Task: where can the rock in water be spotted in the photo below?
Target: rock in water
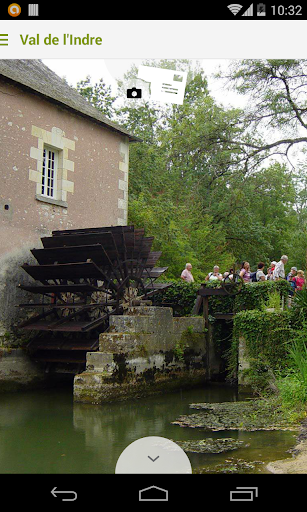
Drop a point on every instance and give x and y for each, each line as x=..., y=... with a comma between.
x=210, y=445
x=260, y=414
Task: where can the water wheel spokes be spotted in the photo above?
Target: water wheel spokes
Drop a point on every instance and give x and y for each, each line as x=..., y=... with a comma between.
x=85, y=275
x=232, y=284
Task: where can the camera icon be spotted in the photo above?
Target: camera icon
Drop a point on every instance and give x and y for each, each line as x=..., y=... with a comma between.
x=134, y=93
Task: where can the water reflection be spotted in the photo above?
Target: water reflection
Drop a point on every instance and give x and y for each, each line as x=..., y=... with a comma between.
x=45, y=432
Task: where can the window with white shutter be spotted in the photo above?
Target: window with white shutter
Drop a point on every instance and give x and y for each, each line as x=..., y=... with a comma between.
x=49, y=172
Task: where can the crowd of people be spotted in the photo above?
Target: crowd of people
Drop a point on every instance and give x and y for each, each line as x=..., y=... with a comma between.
x=275, y=271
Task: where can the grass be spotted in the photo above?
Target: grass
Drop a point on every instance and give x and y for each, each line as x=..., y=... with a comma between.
x=292, y=386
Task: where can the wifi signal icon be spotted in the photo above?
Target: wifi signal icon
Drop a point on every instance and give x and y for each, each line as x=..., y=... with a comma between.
x=234, y=8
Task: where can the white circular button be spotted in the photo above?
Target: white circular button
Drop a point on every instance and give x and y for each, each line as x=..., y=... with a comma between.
x=153, y=455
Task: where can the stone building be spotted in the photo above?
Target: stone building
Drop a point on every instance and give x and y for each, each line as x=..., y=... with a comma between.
x=63, y=165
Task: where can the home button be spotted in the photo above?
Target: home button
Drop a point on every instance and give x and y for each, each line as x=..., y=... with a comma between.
x=153, y=493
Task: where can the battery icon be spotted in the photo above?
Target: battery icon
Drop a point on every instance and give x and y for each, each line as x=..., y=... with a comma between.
x=261, y=10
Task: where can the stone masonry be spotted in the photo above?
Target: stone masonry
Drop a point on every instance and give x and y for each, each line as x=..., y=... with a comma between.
x=145, y=351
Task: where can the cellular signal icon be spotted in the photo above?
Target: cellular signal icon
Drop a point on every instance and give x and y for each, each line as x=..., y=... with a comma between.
x=235, y=8
x=249, y=11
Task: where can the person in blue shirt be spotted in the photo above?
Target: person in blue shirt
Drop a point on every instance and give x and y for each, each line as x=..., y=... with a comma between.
x=290, y=277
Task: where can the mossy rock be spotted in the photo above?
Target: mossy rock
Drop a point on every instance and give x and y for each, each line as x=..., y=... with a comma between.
x=233, y=466
x=250, y=415
x=210, y=445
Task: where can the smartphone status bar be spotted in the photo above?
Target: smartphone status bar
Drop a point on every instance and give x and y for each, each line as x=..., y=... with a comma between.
x=221, y=11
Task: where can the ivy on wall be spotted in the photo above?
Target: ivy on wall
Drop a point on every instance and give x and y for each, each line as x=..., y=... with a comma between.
x=182, y=296
x=256, y=295
x=266, y=336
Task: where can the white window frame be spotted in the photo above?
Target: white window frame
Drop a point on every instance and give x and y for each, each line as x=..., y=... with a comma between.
x=49, y=173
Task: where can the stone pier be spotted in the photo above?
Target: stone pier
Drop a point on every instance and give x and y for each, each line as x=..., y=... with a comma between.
x=146, y=351
x=18, y=372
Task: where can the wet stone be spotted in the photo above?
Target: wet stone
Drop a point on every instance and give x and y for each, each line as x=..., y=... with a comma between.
x=249, y=415
x=233, y=466
x=211, y=445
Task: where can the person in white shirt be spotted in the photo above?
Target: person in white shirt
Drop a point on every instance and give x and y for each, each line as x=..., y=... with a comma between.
x=215, y=275
x=269, y=276
x=260, y=275
x=186, y=274
x=279, y=270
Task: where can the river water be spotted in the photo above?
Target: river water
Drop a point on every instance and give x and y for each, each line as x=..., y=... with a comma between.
x=44, y=431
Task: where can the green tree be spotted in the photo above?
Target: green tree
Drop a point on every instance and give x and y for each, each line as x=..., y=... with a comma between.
x=275, y=120
x=197, y=184
x=99, y=95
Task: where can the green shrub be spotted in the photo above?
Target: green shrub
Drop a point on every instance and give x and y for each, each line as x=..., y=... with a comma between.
x=273, y=301
x=292, y=384
x=254, y=295
x=182, y=296
x=266, y=336
x=292, y=391
x=298, y=354
x=300, y=300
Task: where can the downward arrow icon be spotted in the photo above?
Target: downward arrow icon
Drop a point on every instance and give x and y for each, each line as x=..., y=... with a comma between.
x=153, y=460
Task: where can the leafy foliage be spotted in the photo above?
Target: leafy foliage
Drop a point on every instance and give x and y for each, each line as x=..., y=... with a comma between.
x=266, y=336
x=292, y=383
x=256, y=295
x=99, y=95
x=276, y=90
x=182, y=296
x=275, y=345
x=190, y=182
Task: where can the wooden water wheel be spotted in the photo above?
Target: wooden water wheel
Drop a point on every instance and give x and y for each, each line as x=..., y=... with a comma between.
x=233, y=282
x=82, y=277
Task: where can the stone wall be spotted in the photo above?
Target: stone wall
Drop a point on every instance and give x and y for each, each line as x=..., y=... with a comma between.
x=11, y=275
x=91, y=187
x=146, y=351
x=243, y=364
x=18, y=372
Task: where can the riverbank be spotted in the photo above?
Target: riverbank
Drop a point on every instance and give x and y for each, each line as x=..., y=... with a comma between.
x=265, y=414
x=298, y=463
x=248, y=415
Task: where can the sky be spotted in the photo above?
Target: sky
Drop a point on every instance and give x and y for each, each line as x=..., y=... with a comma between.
x=75, y=70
